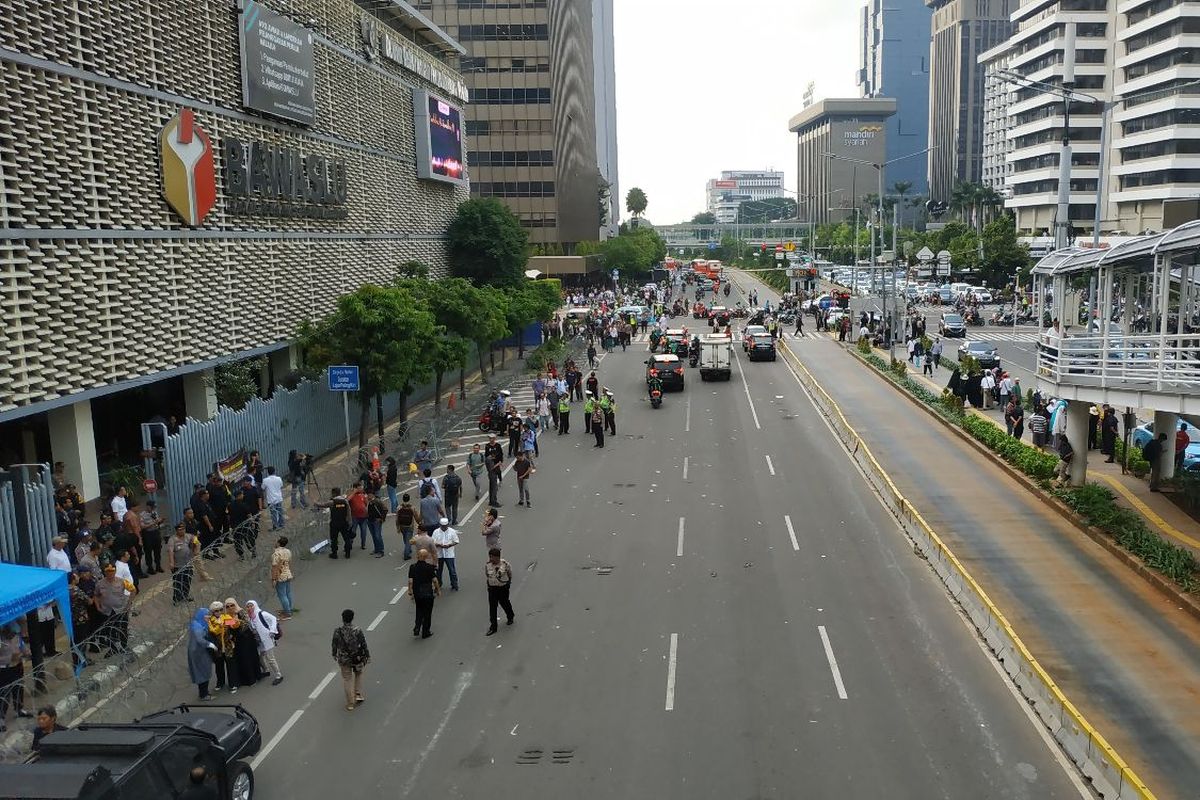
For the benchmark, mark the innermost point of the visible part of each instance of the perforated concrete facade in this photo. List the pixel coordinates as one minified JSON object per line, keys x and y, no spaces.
{"x":100,"y":283}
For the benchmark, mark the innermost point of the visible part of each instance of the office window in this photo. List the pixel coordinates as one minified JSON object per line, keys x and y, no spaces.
{"x":504,"y":33}
{"x":511,"y":158}
{"x":513,"y":189}
{"x":508,"y":126}
{"x":508,"y":97}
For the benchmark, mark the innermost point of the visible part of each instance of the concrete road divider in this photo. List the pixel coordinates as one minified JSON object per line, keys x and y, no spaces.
{"x":1110,"y":776}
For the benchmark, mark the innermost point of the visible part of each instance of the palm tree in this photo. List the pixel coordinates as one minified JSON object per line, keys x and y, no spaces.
{"x":965,"y":200}
{"x":901,"y":190}
{"x":989,"y":201}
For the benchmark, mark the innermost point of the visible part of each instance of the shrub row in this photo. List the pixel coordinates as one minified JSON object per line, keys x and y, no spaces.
{"x":1095,"y":504}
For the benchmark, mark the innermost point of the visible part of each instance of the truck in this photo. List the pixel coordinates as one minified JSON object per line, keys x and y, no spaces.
{"x":716,"y":357}
{"x":151,"y":757}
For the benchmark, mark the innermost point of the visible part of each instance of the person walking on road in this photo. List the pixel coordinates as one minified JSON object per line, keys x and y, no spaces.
{"x":451,"y":492}
{"x":352,"y":655}
{"x":273,"y":497}
{"x":431,"y":510}
{"x":266,"y":633}
{"x":799,"y":324}
{"x":475,"y":465}
{"x":523,"y":468}
{"x":564,"y":416}
{"x":406,"y":519}
{"x":1108,"y":433}
{"x":490,"y":528}
{"x":423,"y":588}
{"x":937,"y":353}
{"x":339,"y":522}
{"x":1153,"y":453}
{"x":498,"y":573}
{"x":358,"y":513}
{"x":542,"y":406}
{"x":200,"y":653}
{"x":927,"y":364}
{"x":423,"y":458}
{"x":444,"y":539}
{"x":182,"y":550}
{"x":495,"y":466}
{"x":987,"y":385}
{"x":281,"y":577}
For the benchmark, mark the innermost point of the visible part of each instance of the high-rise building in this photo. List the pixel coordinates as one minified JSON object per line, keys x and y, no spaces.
{"x":540,"y":133}
{"x":726,"y":194}
{"x":997,"y":96}
{"x":829,"y":189}
{"x":894,"y":62}
{"x":962,"y":30}
{"x":1138,"y":52}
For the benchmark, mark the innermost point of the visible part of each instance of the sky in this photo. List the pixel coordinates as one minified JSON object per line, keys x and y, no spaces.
{"x":707,"y":85}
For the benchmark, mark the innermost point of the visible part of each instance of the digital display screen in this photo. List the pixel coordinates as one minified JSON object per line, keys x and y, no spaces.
{"x":440,"y":154}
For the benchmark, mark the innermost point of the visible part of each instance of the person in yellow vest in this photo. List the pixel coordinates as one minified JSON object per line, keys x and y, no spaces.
{"x":564,"y":415}
{"x":589,"y":405}
{"x":608,"y":404}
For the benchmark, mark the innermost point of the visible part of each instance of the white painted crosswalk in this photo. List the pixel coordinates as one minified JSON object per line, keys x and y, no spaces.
{"x":988,"y":336}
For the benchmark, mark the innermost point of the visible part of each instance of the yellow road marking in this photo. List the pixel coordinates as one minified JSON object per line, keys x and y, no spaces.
{"x":1148,"y":513}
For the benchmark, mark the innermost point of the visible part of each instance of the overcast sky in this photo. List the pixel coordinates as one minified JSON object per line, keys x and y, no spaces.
{"x":707,"y":85}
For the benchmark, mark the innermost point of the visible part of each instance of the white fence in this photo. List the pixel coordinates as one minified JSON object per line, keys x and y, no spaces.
{"x":1147,"y":362}
{"x":37,"y":485}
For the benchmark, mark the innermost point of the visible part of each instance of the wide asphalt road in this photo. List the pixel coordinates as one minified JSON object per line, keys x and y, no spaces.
{"x":712,"y":606}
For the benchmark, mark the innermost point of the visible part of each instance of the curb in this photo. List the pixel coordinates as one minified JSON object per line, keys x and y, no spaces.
{"x":1109,"y":774}
{"x":1164,"y":585}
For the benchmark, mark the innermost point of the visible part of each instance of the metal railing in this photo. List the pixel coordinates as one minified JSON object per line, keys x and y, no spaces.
{"x":1149,"y":362}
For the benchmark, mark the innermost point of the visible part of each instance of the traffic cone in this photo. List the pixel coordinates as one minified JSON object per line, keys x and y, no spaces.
{"x":375,"y":458}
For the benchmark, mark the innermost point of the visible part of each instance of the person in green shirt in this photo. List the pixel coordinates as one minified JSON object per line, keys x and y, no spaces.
{"x":564,"y":415}
{"x":589,"y":405}
{"x":608,"y":405}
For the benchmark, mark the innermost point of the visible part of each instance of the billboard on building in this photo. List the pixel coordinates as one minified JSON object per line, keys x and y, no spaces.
{"x":278,"y":69}
{"x":725,"y":184}
{"x":439,"y":139}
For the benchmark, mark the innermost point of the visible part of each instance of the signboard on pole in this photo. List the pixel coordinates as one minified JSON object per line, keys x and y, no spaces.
{"x":343,"y":378}
{"x":779,"y":256}
{"x":925,"y":254}
{"x":943,"y":257}
{"x":943,"y":269}
{"x":616,"y":274}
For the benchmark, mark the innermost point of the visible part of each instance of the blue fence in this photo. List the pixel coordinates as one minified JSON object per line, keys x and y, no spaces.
{"x":37,"y":484}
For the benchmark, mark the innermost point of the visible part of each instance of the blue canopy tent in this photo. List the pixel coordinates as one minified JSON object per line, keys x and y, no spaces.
{"x":24,"y":589}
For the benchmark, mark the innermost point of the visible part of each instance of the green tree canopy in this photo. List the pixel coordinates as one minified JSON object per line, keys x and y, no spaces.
{"x":766,"y":210}
{"x":488,"y":246}
{"x":704,"y":218}
{"x":636,"y":202}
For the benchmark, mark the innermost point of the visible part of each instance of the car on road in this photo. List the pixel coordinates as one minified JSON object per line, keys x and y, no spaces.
{"x":748,"y":334}
{"x":980,"y":294}
{"x":836,"y":314}
{"x":1142,"y":434}
{"x":952,"y":326}
{"x":667,"y":368}
{"x":677,"y":340}
{"x":945,"y":294}
{"x":985,"y":353}
{"x":641,"y":312}
{"x":762,"y":347}
{"x":149,"y":758}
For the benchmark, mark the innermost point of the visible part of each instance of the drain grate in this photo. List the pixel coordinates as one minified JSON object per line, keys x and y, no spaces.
{"x":530,"y":756}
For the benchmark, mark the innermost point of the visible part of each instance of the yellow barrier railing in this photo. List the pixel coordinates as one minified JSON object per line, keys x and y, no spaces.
{"x":1096,"y":758}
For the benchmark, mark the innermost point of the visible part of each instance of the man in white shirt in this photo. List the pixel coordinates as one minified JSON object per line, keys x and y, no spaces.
{"x":444,"y":539}
{"x":119,"y":505}
{"x":273,"y":497}
{"x":57,"y":557}
{"x":987,"y":385}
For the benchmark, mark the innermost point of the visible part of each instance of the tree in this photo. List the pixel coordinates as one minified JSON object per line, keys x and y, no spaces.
{"x":767,"y":210}
{"x":901,"y":190}
{"x":492,"y":323}
{"x":604,"y":199}
{"x":487,"y":246}
{"x":1003,"y":254}
{"x":636,"y":202}
{"x":704,"y":218}
{"x":413,"y":269}
{"x":385,"y":331}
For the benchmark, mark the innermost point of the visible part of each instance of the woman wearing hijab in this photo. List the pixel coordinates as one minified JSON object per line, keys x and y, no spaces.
{"x":245,"y":653}
{"x":222,"y":630}
{"x":200,"y":653}
{"x":266,"y":630}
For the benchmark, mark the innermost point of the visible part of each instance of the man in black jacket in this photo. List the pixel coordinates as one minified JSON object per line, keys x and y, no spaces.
{"x":1153,"y":452}
{"x":451,"y":492}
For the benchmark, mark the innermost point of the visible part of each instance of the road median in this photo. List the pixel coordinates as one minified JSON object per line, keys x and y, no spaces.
{"x":1097,"y":760}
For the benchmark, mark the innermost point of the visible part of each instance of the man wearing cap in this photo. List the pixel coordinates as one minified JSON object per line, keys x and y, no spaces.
{"x":493,"y":456}
{"x":423,"y":458}
{"x":444,"y":539}
{"x":608,"y":404}
{"x":114,"y":598}
{"x":152,"y":537}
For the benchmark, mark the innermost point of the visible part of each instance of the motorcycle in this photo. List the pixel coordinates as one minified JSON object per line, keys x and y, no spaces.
{"x":655,"y":398}
{"x":694,"y":358}
{"x":727,"y":290}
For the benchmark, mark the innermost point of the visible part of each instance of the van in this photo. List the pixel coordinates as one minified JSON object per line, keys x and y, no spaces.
{"x":716,"y":357}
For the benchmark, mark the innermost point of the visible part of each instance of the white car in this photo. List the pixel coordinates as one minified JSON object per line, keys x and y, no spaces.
{"x":981,"y":295}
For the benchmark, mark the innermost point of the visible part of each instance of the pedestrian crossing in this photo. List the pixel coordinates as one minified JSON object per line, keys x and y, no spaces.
{"x":984,"y":336}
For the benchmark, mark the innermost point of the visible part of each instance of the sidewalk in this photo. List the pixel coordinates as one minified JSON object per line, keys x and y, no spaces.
{"x":1160,"y":513}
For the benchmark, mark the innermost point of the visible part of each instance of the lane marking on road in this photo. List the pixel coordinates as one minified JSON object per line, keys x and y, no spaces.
{"x":464,"y":681}
{"x":287,"y":726}
{"x":685,"y":467}
{"x":687,"y":418}
{"x":770,"y":466}
{"x":672,"y":660}
{"x":679,"y":546}
{"x":791,"y":532}
{"x":746,"y":386}
{"x":378,"y":619}
{"x":321,"y":686}
{"x":833,"y":666}
{"x":399,"y":594}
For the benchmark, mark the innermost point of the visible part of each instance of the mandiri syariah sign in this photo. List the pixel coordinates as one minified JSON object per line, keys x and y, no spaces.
{"x":278,"y":68}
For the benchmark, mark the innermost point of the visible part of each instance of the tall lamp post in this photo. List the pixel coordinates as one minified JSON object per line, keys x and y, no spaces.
{"x":890,"y":316}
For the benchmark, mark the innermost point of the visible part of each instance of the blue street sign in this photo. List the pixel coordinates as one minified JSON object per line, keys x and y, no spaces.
{"x":343,"y":378}
{"x":713,"y":245}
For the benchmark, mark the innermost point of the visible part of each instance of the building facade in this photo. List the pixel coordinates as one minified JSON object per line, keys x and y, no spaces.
{"x":894,"y":62}
{"x":536,"y":131}
{"x":185,"y":183}
{"x":962,"y":30}
{"x":829,"y":189}
{"x":1145,"y":177}
{"x":604,"y":50}
{"x":725,"y":195}
{"x":997,"y":96}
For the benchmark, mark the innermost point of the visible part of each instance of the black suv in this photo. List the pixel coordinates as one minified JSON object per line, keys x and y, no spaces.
{"x":668,"y":369}
{"x":150,"y":758}
{"x":762,"y":347}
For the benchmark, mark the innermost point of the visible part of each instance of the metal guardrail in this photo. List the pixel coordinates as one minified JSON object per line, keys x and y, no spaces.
{"x":1146,"y":362}
{"x":1110,"y":776}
